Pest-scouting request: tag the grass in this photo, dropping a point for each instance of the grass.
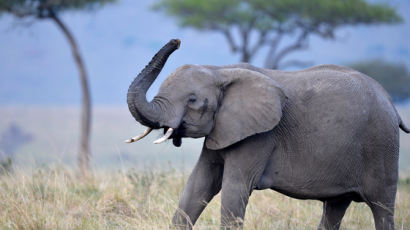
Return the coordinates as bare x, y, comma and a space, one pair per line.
55, 198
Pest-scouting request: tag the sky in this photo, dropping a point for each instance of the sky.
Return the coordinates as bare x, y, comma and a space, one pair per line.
117, 41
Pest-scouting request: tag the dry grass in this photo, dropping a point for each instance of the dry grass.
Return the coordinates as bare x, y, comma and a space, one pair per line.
55, 198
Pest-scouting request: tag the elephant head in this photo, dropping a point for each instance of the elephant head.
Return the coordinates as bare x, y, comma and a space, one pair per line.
224, 105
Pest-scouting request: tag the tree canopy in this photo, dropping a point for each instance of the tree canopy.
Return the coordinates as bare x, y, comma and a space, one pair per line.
395, 78
42, 8
249, 25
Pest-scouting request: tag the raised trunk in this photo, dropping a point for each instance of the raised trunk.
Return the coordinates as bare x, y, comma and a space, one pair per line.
149, 113
84, 149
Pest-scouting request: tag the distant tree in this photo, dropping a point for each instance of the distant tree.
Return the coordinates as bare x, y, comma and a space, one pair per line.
51, 9
13, 138
260, 23
10, 140
395, 78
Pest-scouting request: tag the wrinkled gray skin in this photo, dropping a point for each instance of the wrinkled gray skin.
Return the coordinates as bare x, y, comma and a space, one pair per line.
327, 133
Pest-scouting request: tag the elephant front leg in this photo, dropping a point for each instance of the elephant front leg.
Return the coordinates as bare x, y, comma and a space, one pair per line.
244, 165
235, 196
203, 184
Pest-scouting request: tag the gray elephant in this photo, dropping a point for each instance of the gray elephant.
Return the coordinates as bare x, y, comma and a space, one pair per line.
327, 133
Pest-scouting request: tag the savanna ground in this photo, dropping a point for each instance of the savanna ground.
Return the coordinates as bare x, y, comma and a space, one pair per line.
55, 198
126, 191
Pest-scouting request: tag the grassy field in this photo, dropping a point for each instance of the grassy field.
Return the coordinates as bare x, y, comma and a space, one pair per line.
126, 192
54, 198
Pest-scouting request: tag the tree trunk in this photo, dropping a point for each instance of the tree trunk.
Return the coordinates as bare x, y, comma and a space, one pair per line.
246, 58
274, 58
83, 157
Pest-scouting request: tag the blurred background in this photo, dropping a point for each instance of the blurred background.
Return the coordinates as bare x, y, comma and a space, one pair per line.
53, 51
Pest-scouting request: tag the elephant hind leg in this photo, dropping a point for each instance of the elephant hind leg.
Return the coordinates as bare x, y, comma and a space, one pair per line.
383, 212
383, 217
333, 212
380, 185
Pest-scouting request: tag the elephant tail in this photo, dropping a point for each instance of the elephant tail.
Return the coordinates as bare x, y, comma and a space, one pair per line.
401, 123
403, 127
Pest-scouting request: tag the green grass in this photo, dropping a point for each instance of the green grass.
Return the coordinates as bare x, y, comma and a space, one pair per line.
55, 198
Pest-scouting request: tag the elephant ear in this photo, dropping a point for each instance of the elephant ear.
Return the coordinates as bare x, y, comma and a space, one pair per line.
252, 103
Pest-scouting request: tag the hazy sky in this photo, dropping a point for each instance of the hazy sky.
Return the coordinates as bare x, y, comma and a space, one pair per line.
36, 66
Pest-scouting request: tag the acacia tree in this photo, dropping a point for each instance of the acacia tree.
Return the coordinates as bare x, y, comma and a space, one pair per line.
51, 10
249, 25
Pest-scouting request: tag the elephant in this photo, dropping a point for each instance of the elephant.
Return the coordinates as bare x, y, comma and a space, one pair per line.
326, 133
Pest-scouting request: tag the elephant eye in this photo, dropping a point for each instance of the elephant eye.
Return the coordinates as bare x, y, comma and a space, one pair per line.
192, 98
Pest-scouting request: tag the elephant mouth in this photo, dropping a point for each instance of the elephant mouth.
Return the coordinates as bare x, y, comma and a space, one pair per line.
169, 133
179, 133
176, 135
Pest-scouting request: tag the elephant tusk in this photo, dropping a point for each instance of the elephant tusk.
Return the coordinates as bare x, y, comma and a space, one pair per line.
166, 136
134, 139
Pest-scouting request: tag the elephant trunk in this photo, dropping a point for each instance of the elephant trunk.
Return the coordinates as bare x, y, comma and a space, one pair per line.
149, 113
